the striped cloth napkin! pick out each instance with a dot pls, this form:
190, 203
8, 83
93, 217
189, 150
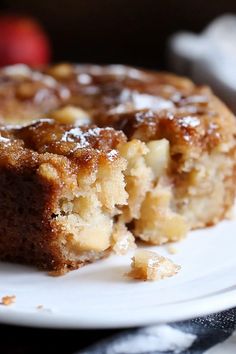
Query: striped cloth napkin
214, 334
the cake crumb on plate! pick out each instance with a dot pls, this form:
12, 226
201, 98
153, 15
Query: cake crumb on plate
147, 265
8, 300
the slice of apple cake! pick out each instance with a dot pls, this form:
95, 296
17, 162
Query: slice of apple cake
61, 190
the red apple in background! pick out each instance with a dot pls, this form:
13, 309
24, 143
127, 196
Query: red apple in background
22, 40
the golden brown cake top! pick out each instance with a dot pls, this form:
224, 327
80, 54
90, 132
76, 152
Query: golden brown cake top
120, 87
84, 146
144, 104
27, 93
149, 105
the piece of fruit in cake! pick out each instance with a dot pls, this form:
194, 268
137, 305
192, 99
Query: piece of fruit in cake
71, 115
61, 188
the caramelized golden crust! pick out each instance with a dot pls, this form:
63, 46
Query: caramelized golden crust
100, 88
149, 105
81, 144
144, 104
26, 94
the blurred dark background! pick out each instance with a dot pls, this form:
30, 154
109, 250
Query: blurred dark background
117, 31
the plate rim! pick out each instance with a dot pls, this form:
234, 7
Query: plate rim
161, 314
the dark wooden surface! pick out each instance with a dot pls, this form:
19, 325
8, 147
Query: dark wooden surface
23, 340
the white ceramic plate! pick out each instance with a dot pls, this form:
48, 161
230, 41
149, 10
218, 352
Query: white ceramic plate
100, 296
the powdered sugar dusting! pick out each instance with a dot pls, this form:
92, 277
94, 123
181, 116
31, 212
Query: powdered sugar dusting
82, 137
142, 101
25, 71
189, 121
116, 69
41, 95
40, 120
84, 79
143, 116
121, 70
74, 134
64, 93
196, 99
112, 155
134, 100
18, 69
47, 80
4, 140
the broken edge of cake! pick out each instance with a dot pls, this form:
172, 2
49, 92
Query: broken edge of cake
150, 193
